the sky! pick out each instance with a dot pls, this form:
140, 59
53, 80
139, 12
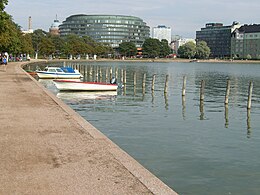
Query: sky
184, 17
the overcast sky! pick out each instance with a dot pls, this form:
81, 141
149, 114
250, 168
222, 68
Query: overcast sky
183, 16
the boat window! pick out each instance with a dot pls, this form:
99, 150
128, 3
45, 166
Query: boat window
59, 70
52, 70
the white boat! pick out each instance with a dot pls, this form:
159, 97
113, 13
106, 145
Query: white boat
59, 73
69, 85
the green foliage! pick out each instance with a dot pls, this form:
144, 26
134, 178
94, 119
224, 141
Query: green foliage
4, 17
10, 38
37, 37
249, 57
46, 47
202, 50
3, 3
151, 48
188, 50
127, 49
165, 49
26, 44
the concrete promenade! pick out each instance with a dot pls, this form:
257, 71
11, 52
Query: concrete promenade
47, 148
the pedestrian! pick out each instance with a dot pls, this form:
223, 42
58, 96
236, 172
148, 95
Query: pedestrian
4, 62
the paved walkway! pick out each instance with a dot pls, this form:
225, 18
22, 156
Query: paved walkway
47, 148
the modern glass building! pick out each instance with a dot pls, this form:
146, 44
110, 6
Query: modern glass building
218, 38
107, 29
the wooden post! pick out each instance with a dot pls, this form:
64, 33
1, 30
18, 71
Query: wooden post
97, 74
124, 77
153, 81
227, 91
202, 90
184, 86
166, 84
106, 74
100, 74
84, 73
90, 71
111, 72
116, 74
144, 80
250, 91
134, 78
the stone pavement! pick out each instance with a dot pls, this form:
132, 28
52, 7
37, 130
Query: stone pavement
47, 148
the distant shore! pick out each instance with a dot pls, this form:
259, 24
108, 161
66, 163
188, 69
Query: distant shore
161, 60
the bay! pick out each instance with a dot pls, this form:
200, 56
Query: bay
194, 149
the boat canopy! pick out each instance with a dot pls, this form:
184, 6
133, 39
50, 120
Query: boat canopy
68, 69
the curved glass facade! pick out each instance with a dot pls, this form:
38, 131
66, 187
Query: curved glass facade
109, 29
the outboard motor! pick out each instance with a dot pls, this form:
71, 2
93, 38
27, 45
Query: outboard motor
113, 80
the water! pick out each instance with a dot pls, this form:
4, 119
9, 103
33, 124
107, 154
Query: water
193, 149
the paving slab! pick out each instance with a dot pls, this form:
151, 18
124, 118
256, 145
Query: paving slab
47, 148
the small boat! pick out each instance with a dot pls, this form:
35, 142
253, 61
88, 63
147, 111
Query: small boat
69, 85
59, 73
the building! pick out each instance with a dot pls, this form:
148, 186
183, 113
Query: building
218, 38
162, 32
179, 42
107, 29
245, 42
54, 29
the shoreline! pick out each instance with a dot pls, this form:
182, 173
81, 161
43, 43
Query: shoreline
158, 60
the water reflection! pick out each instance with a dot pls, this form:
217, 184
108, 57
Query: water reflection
166, 101
183, 107
202, 117
226, 115
248, 123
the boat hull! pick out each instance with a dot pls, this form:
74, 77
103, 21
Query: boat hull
64, 85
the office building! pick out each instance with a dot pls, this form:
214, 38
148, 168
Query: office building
162, 32
218, 38
245, 42
107, 29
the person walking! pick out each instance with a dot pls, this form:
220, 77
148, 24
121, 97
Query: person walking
5, 62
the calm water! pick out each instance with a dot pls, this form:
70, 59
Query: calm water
193, 149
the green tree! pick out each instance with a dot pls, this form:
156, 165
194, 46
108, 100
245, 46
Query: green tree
4, 17
37, 37
10, 38
151, 47
165, 49
59, 44
188, 50
46, 47
75, 45
202, 50
27, 46
127, 49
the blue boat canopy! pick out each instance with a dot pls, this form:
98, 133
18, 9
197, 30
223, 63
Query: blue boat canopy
68, 69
